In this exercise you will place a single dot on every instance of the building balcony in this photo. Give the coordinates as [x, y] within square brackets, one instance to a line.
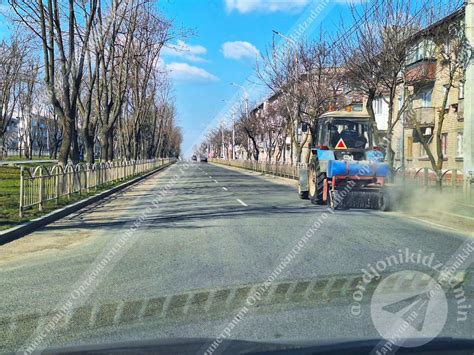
[421, 72]
[460, 110]
[425, 116]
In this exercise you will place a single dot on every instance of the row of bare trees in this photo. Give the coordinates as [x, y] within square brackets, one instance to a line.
[92, 68]
[367, 61]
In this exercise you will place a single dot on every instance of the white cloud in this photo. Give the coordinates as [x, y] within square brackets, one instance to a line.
[240, 50]
[246, 6]
[184, 72]
[181, 49]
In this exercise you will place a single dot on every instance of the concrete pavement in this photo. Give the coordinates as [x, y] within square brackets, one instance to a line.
[211, 236]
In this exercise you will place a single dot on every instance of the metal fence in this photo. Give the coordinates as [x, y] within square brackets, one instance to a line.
[42, 183]
[273, 168]
[427, 177]
[452, 179]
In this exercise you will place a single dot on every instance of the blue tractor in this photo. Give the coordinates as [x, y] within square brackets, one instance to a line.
[346, 167]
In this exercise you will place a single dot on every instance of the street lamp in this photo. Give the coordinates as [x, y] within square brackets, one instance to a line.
[233, 132]
[296, 69]
[222, 132]
[246, 99]
[288, 39]
[246, 96]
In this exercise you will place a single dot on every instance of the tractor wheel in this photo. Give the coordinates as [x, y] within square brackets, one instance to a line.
[315, 182]
[384, 202]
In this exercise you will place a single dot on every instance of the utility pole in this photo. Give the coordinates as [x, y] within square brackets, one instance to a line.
[233, 135]
[223, 145]
[293, 44]
[402, 139]
[233, 132]
[469, 98]
[246, 101]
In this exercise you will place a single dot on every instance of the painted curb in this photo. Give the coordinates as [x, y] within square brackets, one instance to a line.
[26, 228]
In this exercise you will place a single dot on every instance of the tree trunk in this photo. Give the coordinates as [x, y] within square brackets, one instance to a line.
[75, 153]
[110, 145]
[89, 147]
[136, 146]
[105, 142]
[390, 124]
[370, 110]
[2, 146]
[66, 142]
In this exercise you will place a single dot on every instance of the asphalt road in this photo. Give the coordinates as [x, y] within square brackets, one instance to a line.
[177, 255]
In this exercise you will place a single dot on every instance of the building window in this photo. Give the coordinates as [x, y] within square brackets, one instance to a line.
[423, 50]
[459, 145]
[426, 97]
[378, 106]
[461, 90]
[422, 151]
[447, 46]
[357, 107]
[410, 148]
[445, 92]
[444, 144]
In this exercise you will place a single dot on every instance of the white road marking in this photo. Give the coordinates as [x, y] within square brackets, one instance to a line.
[215, 181]
[242, 203]
[210, 177]
[224, 188]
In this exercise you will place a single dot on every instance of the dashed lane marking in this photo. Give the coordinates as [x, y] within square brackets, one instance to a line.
[242, 202]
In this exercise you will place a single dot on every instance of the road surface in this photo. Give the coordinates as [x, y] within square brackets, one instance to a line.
[197, 239]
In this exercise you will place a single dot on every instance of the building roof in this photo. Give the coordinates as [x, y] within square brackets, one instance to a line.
[345, 114]
[447, 19]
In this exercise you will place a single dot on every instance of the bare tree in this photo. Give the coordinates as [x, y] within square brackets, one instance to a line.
[306, 80]
[12, 56]
[64, 30]
[29, 118]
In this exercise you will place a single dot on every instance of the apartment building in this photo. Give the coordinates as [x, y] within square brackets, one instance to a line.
[427, 74]
[25, 136]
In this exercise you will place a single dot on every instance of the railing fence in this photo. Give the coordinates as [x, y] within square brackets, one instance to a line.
[452, 179]
[41, 184]
[272, 168]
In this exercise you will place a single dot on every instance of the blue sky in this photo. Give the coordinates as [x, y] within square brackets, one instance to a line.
[228, 37]
[229, 34]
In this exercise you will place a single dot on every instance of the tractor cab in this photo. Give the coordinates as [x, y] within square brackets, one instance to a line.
[346, 167]
[349, 135]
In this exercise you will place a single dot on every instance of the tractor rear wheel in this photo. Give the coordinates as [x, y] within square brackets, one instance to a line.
[315, 182]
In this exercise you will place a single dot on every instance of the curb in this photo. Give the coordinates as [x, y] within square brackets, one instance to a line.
[267, 176]
[26, 228]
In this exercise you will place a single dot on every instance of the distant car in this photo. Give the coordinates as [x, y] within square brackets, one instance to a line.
[203, 159]
[194, 158]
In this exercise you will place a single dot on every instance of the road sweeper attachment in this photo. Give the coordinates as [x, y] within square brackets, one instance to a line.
[346, 168]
